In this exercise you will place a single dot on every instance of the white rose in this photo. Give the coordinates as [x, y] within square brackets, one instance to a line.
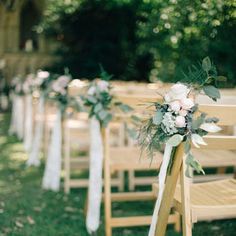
[63, 81]
[180, 121]
[103, 85]
[183, 112]
[91, 91]
[178, 92]
[187, 103]
[43, 74]
[175, 106]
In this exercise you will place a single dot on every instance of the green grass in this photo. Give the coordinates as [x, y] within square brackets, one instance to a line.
[27, 210]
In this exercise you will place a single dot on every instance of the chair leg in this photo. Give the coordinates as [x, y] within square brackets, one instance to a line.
[185, 196]
[177, 225]
[131, 175]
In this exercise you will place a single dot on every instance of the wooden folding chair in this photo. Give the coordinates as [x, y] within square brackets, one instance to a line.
[77, 137]
[126, 158]
[204, 201]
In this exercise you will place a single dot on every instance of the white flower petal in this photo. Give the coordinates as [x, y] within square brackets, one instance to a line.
[197, 139]
[210, 127]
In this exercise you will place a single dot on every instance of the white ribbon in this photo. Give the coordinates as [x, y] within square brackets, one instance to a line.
[20, 117]
[161, 180]
[12, 129]
[95, 176]
[28, 122]
[51, 178]
[37, 139]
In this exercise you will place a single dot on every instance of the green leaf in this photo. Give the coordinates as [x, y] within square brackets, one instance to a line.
[98, 107]
[187, 146]
[102, 114]
[125, 108]
[136, 119]
[206, 64]
[92, 99]
[175, 140]
[192, 162]
[157, 118]
[107, 119]
[197, 123]
[211, 92]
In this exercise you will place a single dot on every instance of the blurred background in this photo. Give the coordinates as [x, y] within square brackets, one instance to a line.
[142, 40]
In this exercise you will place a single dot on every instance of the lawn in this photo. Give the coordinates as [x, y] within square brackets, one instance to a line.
[27, 210]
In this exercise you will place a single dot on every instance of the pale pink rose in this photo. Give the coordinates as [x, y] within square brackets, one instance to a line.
[167, 98]
[177, 92]
[91, 91]
[103, 85]
[63, 80]
[187, 103]
[175, 106]
[180, 121]
[183, 112]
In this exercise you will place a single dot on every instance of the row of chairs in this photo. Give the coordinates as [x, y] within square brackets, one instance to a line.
[122, 155]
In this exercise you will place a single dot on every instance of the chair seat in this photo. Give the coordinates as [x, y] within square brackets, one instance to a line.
[128, 158]
[209, 201]
[218, 158]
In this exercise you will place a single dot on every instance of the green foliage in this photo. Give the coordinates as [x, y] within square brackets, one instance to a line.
[142, 39]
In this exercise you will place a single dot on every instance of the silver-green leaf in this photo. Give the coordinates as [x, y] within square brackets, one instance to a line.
[175, 140]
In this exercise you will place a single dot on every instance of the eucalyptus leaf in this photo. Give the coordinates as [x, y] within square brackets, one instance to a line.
[92, 99]
[206, 64]
[187, 146]
[211, 92]
[157, 118]
[102, 114]
[175, 140]
[125, 108]
[98, 107]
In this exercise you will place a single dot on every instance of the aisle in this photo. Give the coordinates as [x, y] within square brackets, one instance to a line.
[26, 210]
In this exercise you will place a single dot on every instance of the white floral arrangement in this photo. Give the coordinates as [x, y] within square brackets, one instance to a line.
[100, 101]
[178, 119]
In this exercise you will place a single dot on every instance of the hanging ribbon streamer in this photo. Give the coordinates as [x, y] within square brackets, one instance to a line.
[51, 178]
[161, 180]
[38, 135]
[28, 123]
[12, 129]
[20, 117]
[95, 176]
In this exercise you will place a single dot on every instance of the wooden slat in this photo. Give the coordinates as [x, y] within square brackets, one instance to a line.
[132, 196]
[219, 142]
[137, 221]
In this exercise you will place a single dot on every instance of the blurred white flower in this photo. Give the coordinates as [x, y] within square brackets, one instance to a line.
[60, 84]
[91, 90]
[177, 92]
[103, 85]
[187, 103]
[40, 77]
[180, 121]
[175, 106]
[2, 64]
[169, 123]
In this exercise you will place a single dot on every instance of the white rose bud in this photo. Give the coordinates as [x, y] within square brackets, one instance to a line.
[187, 103]
[175, 106]
[180, 121]
[103, 85]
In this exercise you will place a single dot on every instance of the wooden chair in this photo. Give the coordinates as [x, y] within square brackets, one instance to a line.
[76, 138]
[204, 201]
[126, 158]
